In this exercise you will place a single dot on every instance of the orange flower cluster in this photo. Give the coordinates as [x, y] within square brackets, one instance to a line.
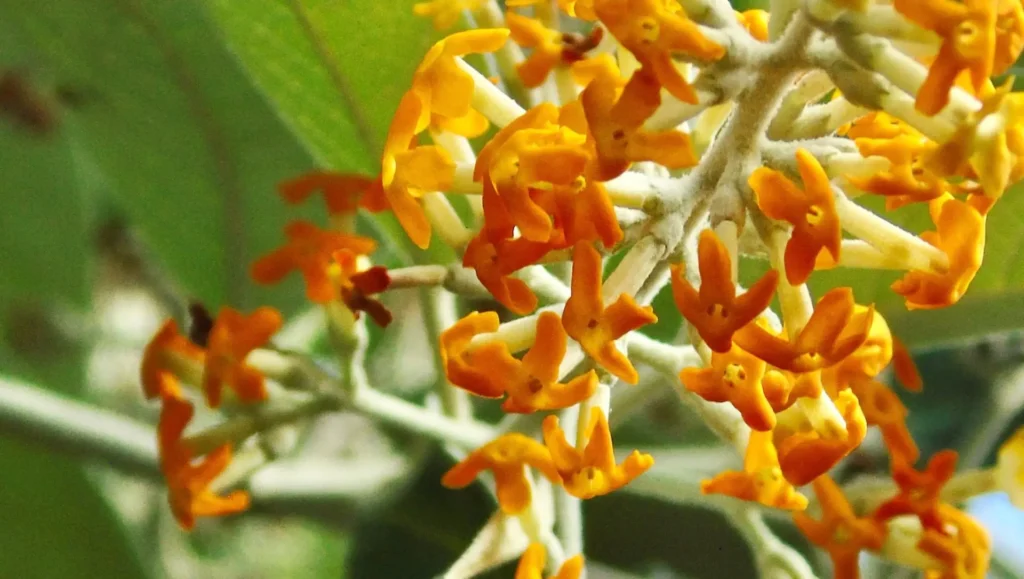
[584, 473]
[171, 358]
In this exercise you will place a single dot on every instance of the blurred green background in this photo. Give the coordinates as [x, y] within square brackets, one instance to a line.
[140, 144]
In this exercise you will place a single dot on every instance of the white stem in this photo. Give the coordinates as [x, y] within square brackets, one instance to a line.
[890, 239]
[492, 103]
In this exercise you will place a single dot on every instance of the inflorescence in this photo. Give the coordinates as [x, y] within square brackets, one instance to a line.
[676, 136]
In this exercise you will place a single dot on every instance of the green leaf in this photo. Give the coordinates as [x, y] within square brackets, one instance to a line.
[334, 83]
[187, 144]
[57, 523]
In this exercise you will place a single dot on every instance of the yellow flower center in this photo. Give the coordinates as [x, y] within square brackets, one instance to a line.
[734, 374]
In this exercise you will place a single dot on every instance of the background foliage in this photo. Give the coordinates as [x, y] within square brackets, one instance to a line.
[178, 119]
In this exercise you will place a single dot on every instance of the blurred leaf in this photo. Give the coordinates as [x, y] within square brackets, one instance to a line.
[58, 525]
[187, 144]
[334, 83]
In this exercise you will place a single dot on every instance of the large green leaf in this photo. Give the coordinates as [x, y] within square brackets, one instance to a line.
[335, 71]
[186, 142]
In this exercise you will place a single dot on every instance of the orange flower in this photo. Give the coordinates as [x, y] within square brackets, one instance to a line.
[876, 125]
[715, 311]
[308, 250]
[968, 43]
[653, 30]
[169, 352]
[962, 546]
[811, 211]
[993, 155]
[443, 88]
[615, 121]
[756, 23]
[507, 457]
[907, 179]
[585, 215]
[869, 359]
[596, 327]
[805, 454]
[834, 331]
[840, 531]
[356, 286]
[761, 479]
[549, 48]
[341, 191]
[534, 157]
[407, 171]
[739, 378]
[960, 234]
[582, 9]
[531, 565]
[233, 336]
[188, 484]
[919, 490]
[883, 408]
[495, 262]
[593, 471]
[532, 383]
[1009, 34]
[904, 368]
[459, 361]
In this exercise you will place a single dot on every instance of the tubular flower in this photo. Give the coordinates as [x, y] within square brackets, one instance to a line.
[811, 211]
[586, 215]
[839, 531]
[445, 13]
[459, 362]
[968, 43]
[593, 471]
[407, 172]
[507, 457]
[739, 378]
[357, 287]
[169, 352]
[761, 479]
[919, 490]
[715, 311]
[960, 234]
[962, 546]
[904, 368]
[233, 336]
[532, 383]
[188, 484]
[876, 125]
[756, 23]
[805, 454]
[341, 191]
[582, 9]
[309, 250]
[988, 144]
[869, 359]
[615, 120]
[595, 326]
[532, 158]
[882, 408]
[835, 330]
[550, 48]
[443, 88]
[531, 565]
[1009, 34]
[1010, 468]
[908, 179]
[653, 30]
[495, 262]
